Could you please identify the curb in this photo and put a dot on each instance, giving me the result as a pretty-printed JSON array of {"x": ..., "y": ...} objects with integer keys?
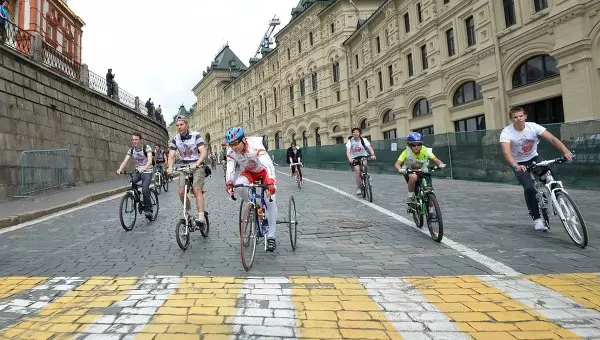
[{"x": 10, "y": 221}]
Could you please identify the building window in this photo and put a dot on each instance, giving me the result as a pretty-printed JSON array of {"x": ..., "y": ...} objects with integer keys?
[
  {"x": 291, "y": 93},
  {"x": 265, "y": 141},
  {"x": 391, "y": 75},
  {"x": 419, "y": 12},
  {"x": 338, "y": 95},
  {"x": 470, "y": 26},
  {"x": 388, "y": 117},
  {"x": 332, "y": 27},
  {"x": 310, "y": 38},
  {"x": 289, "y": 55},
  {"x": 547, "y": 111},
  {"x": 534, "y": 69},
  {"x": 406, "y": 23},
  {"x": 363, "y": 124},
  {"x": 540, "y": 5},
  {"x": 275, "y": 96},
  {"x": 313, "y": 79},
  {"x": 380, "y": 76},
  {"x": 378, "y": 44},
  {"x": 303, "y": 107},
  {"x": 356, "y": 60},
  {"x": 336, "y": 129},
  {"x": 299, "y": 46},
  {"x": 410, "y": 65},
  {"x": 302, "y": 89},
  {"x": 450, "y": 42},
  {"x": 470, "y": 124},
  {"x": 446, "y": 2},
  {"x": 317, "y": 137},
  {"x": 424, "y": 57},
  {"x": 366, "y": 89},
  {"x": 261, "y": 104},
  {"x": 336, "y": 72},
  {"x": 421, "y": 108},
  {"x": 316, "y": 103},
  {"x": 278, "y": 141},
  {"x": 427, "y": 130},
  {"x": 467, "y": 92},
  {"x": 358, "y": 92},
  {"x": 304, "y": 139},
  {"x": 339, "y": 140},
  {"x": 390, "y": 134},
  {"x": 509, "y": 12}
]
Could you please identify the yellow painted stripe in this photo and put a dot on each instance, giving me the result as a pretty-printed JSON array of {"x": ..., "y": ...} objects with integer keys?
[
  {"x": 10, "y": 286},
  {"x": 583, "y": 288},
  {"x": 73, "y": 312},
  {"x": 200, "y": 305},
  {"x": 334, "y": 308},
  {"x": 484, "y": 312}
]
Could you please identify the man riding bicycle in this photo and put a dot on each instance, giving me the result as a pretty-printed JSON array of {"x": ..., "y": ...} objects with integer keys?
[
  {"x": 142, "y": 154},
  {"x": 415, "y": 157},
  {"x": 294, "y": 155},
  {"x": 250, "y": 154},
  {"x": 356, "y": 149},
  {"x": 192, "y": 152},
  {"x": 519, "y": 143}
]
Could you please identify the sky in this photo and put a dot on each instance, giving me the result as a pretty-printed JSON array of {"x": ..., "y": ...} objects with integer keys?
[{"x": 158, "y": 49}]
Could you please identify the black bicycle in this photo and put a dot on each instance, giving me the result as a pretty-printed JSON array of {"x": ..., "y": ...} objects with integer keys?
[
  {"x": 161, "y": 181},
  {"x": 365, "y": 179},
  {"x": 132, "y": 203},
  {"x": 186, "y": 224},
  {"x": 425, "y": 204}
]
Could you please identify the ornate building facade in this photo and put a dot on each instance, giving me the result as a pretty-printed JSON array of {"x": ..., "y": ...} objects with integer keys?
[{"x": 395, "y": 66}]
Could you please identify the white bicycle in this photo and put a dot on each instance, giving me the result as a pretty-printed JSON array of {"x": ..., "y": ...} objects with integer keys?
[
  {"x": 562, "y": 204},
  {"x": 186, "y": 224}
]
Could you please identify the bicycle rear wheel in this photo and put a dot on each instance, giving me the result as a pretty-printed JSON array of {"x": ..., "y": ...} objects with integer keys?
[
  {"x": 165, "y": 183},
  {"x": 248, "y": 237},
  {"x": 182, "y": 235},
  {"x": 434, "y": 217},
  {"x": 154, "y": 201},
  {"x": 206, "y": 228},
  {"x": 573, "y": 223},
  {"x": 292, "y": 223},
  {"x": 127, "y": 208},
  {"x": 417, "y": 217}
]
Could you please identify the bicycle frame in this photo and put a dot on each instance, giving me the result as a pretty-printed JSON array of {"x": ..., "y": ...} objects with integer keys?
[
  {"x": 187, "y": 172},
  {"x": 253, "y": 202},
  {"x": 551, "y": 185}
]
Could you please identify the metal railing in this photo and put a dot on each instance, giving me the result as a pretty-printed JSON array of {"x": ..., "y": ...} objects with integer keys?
[
  {"x": 16, "y": 38},
  {"x": 60, "y": 62},
  {"x": 42, "y": 170},
  {"x": 97, "y": 83},
  {"x": 126, "y": 98}
]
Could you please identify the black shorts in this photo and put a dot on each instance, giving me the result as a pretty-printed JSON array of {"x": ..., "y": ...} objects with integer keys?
[{"x": 356, "y": 161}]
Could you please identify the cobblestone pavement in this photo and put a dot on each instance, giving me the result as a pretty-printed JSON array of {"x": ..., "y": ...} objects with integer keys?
[{"x": 360, "y": 271}]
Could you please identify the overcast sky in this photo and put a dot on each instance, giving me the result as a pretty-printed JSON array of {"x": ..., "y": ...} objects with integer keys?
[{"x": 159, "y": 49}]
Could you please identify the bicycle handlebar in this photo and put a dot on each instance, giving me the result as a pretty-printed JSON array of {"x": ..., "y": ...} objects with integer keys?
[
  {"x": 251, "y": 185},
  {"x": 546, "y": 163},
  {"x": 292, "y": 164},
  {"x": 430, "y": 168}
]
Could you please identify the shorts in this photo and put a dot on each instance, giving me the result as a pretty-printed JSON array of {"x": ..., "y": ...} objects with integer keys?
[
  {"x": 255, "y": 176},
  {"x": 426, "y": 176},
  {"x": 198, "y": 179},
  {"x": 357, "y": 161}
]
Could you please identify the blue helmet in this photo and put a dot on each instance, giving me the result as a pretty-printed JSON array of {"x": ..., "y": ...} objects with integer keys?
[
  {"x": 414, "y": 137},
  {"x": 233, "y": 134}
]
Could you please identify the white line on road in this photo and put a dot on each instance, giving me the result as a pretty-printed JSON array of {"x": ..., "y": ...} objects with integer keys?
[{"x": 494, "y": 265}]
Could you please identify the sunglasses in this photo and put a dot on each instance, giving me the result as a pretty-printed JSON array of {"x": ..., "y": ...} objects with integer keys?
[
  {"x": 235, "y": 143},
  {"x": 412, "y": 145}
]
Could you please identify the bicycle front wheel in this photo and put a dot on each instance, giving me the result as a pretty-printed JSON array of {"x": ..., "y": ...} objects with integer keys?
[
  {"x": 248, "y": 238},
  {"x": 434, "y": 217},
  {"x": 154, "y": 201},
  {"x": 157, "y": 183},
  {"x": 127, "y": 211},
  {"x": 165, "y": 183},
  {"x": 368, "y": 188},
  {"x": 573, "y": 222},
  {"x": 206, "y": 228}
]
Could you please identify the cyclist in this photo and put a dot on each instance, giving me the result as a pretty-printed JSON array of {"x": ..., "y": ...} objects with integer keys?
[
  {"x": 159, "y": 159},
  {"x": 142, "y": 154},
  {"x": 250, "y": 154},
  {"x": 519, "y": 146},
  {"x": 416, "y": 156},
  {"x": 191, "y": 151},
  {"x": 294, "y": 155},
  {"x": 356, "y": 148}
]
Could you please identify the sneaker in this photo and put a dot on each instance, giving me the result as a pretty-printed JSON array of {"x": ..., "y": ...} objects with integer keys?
[
  {"x": 200, "y": 220},
  {"x": 271, "y": 245},
  {"x": 409, "y": 200},
  {"x": 540, "y": 225},
  {"x": 358, "y": 191},
  {"x": 149, "y": 214}
]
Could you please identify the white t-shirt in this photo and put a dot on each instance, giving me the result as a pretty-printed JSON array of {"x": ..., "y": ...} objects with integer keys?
[
  {"x": 356, "y": 147},
  {"x": 523, "y": 144}
]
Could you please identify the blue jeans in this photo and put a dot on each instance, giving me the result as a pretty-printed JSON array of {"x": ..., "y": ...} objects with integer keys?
[
  {"x": 525, "y": 180},
  {"x": 146, "y": 179}
]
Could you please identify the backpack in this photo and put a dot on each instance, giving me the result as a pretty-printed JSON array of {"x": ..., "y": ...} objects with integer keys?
[
  {"x": 144, "y": 147},
  {"x": 362, "y": 141}
]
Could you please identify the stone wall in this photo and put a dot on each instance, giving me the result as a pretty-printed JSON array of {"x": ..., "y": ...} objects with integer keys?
[{"x": 40, "y": 109}]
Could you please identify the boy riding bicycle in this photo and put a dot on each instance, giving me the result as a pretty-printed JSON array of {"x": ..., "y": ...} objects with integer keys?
[{"x": 416, "y": 157}]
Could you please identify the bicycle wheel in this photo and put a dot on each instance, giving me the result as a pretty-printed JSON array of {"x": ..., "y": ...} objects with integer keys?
[
  {"x": 248, "y": 239},
  {"x": 157, "y": 183},
  {"x": 417, "y": 217},
  {"x": 434, "y": 217},
  {"x": 292, "y": 222},
  {"x": 182, "y": 235},
  {"x": 127, "y": 208},
  {"x": 545, "y": 216},
  {"x": 154, "y": 201},
  {"x": 206, "y": 228},
  {"x": 165, "y": 183},
  {"x": 573, "y": 219},
  {"x": 362, "y": 186},
  {"x": 298, "y": 181},
  {"x": 368, "y": 188}
]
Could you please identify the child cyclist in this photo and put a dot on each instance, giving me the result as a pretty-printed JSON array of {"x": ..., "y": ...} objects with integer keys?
[{"x": 415, "y": 156}]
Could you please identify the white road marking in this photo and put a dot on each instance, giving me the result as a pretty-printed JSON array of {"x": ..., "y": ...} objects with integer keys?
[{"x": 494, "y": 265}]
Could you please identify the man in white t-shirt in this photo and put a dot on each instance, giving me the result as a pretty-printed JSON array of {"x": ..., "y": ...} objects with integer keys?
[
  {"x": 356, "y": 148},
  {"x": 519, "y": 143}
]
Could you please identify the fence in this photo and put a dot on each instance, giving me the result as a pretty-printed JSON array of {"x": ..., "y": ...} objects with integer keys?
[
  {"x": 42, "y": 170},
  {"x": 17, "y": 39},
  {"x": 476, "y": 155}
]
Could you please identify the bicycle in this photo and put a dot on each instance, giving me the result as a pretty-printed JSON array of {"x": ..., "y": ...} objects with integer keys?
[
  {"x": 132, "y": 202},
  {"x": 365, "y": 180},
  {"x": 160, "y": 181},
  {"x": 424, "y": 200},
  {"x": 253, "y": 223},
  {"x": 562, "y": 204},
  {"x": 298, "y": 174},
  {"x": 186, "y": 225}
]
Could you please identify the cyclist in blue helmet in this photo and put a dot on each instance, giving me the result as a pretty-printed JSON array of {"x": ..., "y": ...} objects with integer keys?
[
  {"x": 255, "y": 165},
  {"x": 415, "y": 156}
]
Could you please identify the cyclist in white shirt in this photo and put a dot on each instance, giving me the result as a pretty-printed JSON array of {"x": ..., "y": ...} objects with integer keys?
[
  {"x": 256, "y": 164},
  {"x": 356, "y": 148},
  {"x": 191, "y": 151},
  {"x": 519, "y": 143}
]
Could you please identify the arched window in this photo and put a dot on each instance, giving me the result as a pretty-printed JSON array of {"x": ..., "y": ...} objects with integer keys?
[
  {"x": 467, "y": 92},
  {"x": 388, "y": 117},
  {"x": 534, "y": 69},
  {"x": 421, "y": 108},
  {"x": 317, "y": 137},
  {"x": 278, "y": 140},
  {"x": 304, "y": 139},
  {"x": 336, "y": 129},
  {"x": 363, "y": 124},
  {"x": 294, "y": 138},
  {"x": 266, "y": 142}
]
